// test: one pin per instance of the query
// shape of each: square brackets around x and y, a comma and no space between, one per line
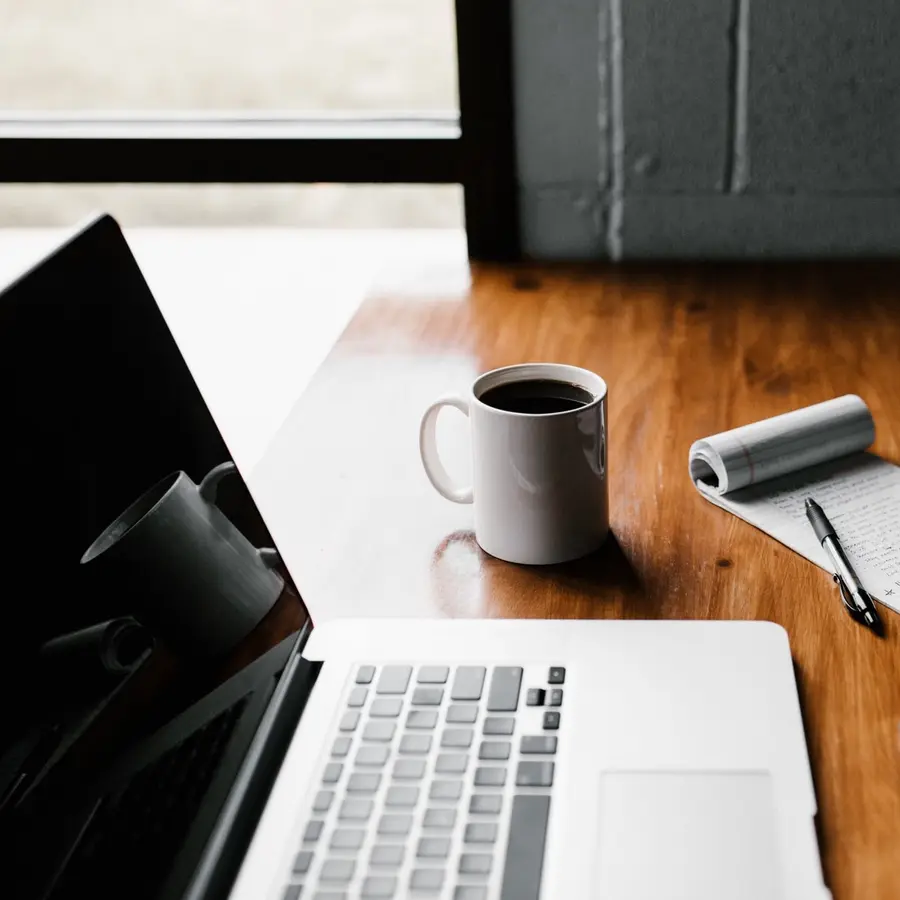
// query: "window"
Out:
[264,92]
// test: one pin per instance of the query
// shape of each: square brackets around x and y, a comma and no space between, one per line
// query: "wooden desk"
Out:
[686,352]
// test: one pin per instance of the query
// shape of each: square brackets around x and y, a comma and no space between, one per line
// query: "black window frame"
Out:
[475,149]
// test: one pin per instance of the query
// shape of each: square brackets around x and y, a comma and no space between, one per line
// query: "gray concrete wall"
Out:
[708,128]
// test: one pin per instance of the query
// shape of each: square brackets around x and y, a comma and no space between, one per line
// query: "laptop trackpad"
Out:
[687,836]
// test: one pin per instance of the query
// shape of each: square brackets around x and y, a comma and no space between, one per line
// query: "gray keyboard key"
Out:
[525,847]
[379,731]
[386,707]
[337,870]
[292,892]
[313,831]
[439,818]
[393,680]
[415,743]
[534,774]
[490,776]
[409,769]
[494,750]
[470,892]
[365,674]
[462,713]
[433,847]
[322,802]
[551,721]
[355,810]
[433,675]
[357,697]
[379,886]
[555,697]
[428,696]
[302,862]
[401,795]
[341,746]
[451,763]
[372,755]
[457,737]
[422,718]
[330,895]
[391,823]
[556,675]
[475,863]
[349,720]
[388,855]
[468,683]
[426,879]
[347,839]
[363,783]
[535,697]
[490,804]
[332,772]
[537,744]
[480,833]
[504,693]
[445,790]
[499,725]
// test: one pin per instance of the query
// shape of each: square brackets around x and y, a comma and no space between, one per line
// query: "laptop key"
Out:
[534,774]
[340,870]
[471,892]
[462,713]
[468,683]
[372,755]
[386,707]
[322,801]
[292,892]
[363,783]
[537,744]
[428,696]
[365,674]
[490,776]
[433,848]
[499,725]
[422,718]
[358,697]
[401,795]
[349,720]
[490,804]
[347,839]
[451,763]
[475,863]
[313,831]
[415,743]
[525,847]
[551,721]
[504,693]
[445,790]
[302,862]
[379,731]
[433,675]
[439,818]
[394,680]
[379,886]
[332,772]
[494,750]
[355,810]
[457,737]
[394,824]
[330,895]
[426,880]
[556,697]
[388,855]
[409,769]
[480,833]
[341,746]
[556,675]
[535,697]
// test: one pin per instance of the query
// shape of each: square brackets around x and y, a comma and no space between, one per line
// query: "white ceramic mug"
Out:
[539,480]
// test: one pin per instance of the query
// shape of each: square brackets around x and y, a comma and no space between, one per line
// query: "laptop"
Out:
[379,758]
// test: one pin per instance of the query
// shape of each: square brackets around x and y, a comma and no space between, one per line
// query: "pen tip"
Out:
[809,502]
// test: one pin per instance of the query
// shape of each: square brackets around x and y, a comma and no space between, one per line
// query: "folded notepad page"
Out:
[765,471]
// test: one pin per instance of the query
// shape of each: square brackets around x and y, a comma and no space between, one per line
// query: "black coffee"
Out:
[537,396]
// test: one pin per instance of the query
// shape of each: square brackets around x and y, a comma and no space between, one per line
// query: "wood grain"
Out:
[686,352]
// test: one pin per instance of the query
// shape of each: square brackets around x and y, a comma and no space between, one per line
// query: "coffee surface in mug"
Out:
[537,396]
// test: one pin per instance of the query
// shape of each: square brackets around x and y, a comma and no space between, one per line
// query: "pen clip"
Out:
[847,599]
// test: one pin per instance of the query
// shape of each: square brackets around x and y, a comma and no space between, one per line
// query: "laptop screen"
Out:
[98,408]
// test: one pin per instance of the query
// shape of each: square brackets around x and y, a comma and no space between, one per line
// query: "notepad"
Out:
[763,473]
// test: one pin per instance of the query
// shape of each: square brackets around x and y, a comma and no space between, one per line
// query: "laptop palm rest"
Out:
[687,836]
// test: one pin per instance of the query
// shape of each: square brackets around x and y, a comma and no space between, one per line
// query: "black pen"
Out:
[857,600]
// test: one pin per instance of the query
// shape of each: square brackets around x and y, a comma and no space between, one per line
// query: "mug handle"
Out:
[431,459]
[209,488]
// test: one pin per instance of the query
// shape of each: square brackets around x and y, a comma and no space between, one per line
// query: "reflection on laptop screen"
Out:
[99,408]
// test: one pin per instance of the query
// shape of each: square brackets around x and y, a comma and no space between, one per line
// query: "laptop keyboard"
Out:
[437,784]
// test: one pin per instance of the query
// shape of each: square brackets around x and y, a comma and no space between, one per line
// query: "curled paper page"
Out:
[787,443]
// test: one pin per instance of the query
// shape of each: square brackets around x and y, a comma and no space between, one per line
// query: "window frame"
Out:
[475,148]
